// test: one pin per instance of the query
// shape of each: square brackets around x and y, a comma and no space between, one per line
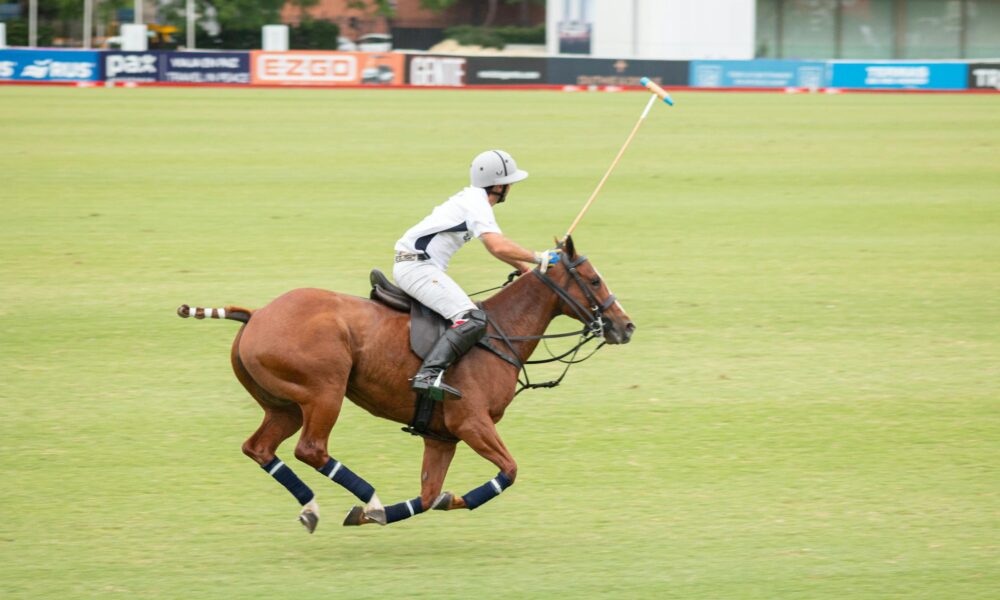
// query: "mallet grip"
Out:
[662,93]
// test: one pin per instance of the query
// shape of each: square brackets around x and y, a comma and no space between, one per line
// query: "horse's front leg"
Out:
[437,459]
[481,435]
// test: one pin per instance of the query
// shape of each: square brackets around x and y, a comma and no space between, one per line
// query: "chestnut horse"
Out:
[302,353]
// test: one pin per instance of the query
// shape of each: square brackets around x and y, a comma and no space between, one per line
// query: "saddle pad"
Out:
[426,327]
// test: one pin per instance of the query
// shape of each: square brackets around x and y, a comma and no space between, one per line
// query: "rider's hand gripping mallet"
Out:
[658,92]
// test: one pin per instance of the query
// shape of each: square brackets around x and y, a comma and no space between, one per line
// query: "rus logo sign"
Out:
[307,68]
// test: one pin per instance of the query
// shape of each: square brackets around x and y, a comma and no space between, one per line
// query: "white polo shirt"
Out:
[465,215]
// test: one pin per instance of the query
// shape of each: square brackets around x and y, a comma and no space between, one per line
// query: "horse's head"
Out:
[585,296]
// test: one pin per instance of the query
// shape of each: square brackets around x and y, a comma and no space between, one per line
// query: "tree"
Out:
[234,14]
[381,7]
[491,7]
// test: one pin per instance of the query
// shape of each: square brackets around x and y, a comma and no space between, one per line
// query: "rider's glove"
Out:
[546,259]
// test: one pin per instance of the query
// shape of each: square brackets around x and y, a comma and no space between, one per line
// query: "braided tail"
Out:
[236,313]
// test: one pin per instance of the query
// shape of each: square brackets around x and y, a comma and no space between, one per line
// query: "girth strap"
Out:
[422,420]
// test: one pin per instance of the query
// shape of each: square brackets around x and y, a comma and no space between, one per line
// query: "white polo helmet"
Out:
[495,167]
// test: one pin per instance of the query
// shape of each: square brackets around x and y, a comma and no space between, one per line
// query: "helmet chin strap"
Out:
[501,195]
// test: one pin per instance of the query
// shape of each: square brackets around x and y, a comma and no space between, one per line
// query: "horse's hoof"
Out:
[309,520]
[442,502]
[376,515]
[374,511]
[355,517]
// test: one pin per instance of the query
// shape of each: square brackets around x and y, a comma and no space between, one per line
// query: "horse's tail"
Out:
[236,313]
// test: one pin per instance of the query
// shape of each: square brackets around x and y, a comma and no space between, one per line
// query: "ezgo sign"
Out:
[325,68]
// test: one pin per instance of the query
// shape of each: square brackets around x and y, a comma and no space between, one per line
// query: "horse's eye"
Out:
[596,281]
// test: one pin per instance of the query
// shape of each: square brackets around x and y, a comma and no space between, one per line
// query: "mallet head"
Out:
[662,93]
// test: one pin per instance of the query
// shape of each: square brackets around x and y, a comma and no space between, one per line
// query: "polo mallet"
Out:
[658,92]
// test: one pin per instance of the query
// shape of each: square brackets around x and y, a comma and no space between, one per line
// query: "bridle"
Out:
[592,317]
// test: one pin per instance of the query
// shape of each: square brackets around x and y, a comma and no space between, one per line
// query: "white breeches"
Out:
[433,288]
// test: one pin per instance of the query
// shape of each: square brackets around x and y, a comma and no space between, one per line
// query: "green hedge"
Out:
[308,35]
[495,37]
[17,33]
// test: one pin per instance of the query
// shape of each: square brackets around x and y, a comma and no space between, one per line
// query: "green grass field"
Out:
[809,408]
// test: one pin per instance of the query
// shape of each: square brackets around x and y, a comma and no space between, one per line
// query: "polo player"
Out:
[423,253]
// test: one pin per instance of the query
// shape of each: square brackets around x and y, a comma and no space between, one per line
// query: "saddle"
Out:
[426,326]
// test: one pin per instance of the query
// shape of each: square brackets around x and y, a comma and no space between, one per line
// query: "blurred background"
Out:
[731,29]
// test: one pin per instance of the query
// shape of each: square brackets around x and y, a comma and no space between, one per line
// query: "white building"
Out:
[659,29]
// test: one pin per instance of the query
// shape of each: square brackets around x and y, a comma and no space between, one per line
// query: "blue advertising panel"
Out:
[132,66]
[206,67]
[49,65]
[757,73]
[900,75]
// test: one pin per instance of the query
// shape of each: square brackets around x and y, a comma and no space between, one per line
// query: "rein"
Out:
[593,328]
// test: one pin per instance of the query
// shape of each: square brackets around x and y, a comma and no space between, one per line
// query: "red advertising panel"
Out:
[310,67]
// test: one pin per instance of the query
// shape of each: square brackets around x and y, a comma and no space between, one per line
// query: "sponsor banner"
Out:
[984,76]
[206,67]
[616,72]
[436,70]
[143,67]
[900,75]
[758,74]
[326,68]
[502,70]
[49,65]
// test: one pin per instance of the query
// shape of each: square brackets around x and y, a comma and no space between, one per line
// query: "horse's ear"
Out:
[568,247]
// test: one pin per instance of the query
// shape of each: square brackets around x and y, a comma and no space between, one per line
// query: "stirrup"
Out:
[434,388]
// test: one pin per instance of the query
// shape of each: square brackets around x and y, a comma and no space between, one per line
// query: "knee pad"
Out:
[473,320]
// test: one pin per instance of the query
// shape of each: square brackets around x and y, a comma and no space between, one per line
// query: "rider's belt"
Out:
[408,256]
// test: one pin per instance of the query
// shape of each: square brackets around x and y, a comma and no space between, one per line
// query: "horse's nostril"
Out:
[630,327]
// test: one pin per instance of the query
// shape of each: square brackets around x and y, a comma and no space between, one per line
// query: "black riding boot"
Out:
[456,341]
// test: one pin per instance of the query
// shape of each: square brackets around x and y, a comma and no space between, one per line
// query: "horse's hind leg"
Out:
[437,459]
[319,416]
[280,422]
[482,436]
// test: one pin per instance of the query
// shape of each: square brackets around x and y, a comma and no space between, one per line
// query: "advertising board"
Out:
[143,67]
[615,72]
[326,68]
[436,70]
[504,70]
[49,65]
[984,76]
[758,74]
[900,75]
[206,67]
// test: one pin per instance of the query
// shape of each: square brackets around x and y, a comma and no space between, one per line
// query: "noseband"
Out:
[593,317]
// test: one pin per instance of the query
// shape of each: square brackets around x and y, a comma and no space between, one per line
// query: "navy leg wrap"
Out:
[286,477]
[403,510]
[486,492]
[338,472]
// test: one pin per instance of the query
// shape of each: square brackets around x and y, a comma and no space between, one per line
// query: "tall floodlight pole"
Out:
[33,23]
[88,21]
[137,12]
[190,24]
